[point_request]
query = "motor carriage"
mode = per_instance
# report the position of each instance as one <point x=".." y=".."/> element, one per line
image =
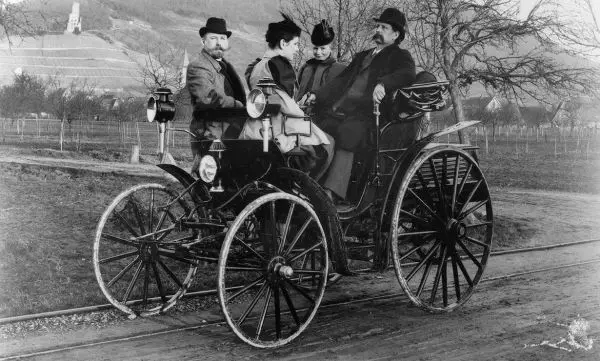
<point x="272" y="235"/>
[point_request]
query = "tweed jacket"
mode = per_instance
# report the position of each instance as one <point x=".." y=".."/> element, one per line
<point x="393" y="67"/>
<point x="205" y="83"/>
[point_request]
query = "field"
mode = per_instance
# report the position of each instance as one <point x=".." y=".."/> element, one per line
<point x="48" y="217"/>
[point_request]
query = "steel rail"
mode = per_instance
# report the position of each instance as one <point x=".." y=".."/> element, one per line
<point x="211" y="292"/>
<point x="380" y="297"/>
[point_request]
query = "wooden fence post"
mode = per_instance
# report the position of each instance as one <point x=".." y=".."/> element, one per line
<point x="486" y="141"/>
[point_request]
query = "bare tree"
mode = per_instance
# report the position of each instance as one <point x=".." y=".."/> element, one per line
<point x="161" y="67"/>
<point x="17" y="20"/>
<point x="352" y="21"/>
<point x="486" y="42"/>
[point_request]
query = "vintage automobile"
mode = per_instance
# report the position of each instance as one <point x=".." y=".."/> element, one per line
<point x="270" y="235"/>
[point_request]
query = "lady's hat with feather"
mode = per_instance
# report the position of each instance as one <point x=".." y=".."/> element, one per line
<point x="322" y="34"/>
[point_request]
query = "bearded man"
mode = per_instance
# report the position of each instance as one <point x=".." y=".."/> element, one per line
<point x="345" y="104"/>
<point x="213" y="83"/>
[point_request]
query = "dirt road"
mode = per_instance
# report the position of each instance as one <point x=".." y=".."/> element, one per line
<point x="506" y="319"/>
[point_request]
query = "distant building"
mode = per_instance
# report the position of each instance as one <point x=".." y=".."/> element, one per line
<point x="74" y="25"/>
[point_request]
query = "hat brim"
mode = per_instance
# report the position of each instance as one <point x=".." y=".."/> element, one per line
<point x="396" y="25"/>
<point x="204" y="30"/>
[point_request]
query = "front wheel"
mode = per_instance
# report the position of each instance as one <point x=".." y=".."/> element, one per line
<point x="441" y="229"/>
<point x="272" y="270"/>
<point x="136" y="259"/>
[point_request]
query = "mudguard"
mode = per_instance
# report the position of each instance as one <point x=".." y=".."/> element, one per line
<point x="185" y="179"/>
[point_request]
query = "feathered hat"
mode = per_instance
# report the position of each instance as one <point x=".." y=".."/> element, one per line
<point x="322" y="34"/>
<point x="287" y="25"/>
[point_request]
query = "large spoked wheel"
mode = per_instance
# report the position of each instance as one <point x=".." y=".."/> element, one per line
<point x="137" y="257"/>
<point x="272" y="270"/>
<point x="441" y="229"/>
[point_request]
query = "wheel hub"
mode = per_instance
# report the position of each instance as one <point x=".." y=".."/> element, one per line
<point x="279" y="269"/>
<point x="455" y="229"/>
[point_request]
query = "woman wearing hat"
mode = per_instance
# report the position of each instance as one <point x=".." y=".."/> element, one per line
<point x="282" y="44"/>
<point x="318" y="70"/>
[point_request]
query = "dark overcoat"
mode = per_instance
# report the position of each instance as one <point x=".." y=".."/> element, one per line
<point x="392" y="67"/>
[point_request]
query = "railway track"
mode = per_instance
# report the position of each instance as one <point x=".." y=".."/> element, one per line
<point x="330" y="305"/>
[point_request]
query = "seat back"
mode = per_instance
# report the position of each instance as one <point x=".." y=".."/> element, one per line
<point x="426" y="94"/>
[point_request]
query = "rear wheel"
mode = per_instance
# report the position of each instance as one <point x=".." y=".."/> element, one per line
<point x="272" y="270"/>
<point x="441" y="229"/>
<point x="136" y="258"/>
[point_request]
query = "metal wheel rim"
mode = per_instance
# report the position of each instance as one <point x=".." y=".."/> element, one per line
<point x="229" y="238"/>
<point x="403" y="275"/>
<point x="125" y="307"/>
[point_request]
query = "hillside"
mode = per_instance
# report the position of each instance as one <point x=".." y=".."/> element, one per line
<point x="138" y="27"/>
<point x="83" y="58"/>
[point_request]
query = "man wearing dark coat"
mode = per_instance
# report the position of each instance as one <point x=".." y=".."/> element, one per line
<point x="345" y="104"/>
<point x="213" y="83"/>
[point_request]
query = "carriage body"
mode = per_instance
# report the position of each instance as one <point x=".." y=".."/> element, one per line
<point x="273" y="236"/>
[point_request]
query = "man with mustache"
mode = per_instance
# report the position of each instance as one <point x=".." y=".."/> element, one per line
<point x="213" y="83"/>
<point x="371" y="78"/>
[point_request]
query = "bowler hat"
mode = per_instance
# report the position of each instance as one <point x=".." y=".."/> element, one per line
<point x="322" y="34"/>
<point x="215" y="25"/>
<point x="395" y="18"/>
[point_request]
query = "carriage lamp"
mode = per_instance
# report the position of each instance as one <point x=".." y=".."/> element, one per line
<point x="161" y="106"/>
<point x="208" y="168"/>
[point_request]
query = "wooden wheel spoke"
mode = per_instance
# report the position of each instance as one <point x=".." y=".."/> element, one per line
<point x="146" y="283"/>
<point x="481" y="224"/>
<point x="425" y="188"/>
<point x="133" y="281"/>
<point x="161" y="220"/>
<point x="286" y="227"/>
<point x="420" y="220"/>
<point x="308" y="272"/>
<point x="422" y="263"/>
<point x="438" y="273"/>
<point x="170" y="273"/>
<point x="275" y="238"/>
<point x="245" y="289"/>
<point x="424" y="204"/>
<point x="465" y="178"/>
<point x="253" y="303"/>
<point x="464" y="271"/>
<point x="479" y="243"/>
<point x="263" y="314"/>
<point x="252" y="250"/>
<point x="120" y="240"/>
<point x="151" y="218"/>
<point x="298" y="235"/>
<point x="470" y="196"/>
<point x="118" y="257"/>
<point x="423" y="280"/>
<point x="472" y="209"/>
<point x="244" y="269"/>
<point x="455" y="184"/>
<point x="445" y="278"/>
<point x="277" y="312"/>
<point x="310" y="249"/>
<point x="138" y="216"/>
<point x="420" y="233"/>
<point x="469" y="254"/>
<point x="438" y="186"/>
<point x="171" y="254"/>
<point x="126" y="223"/>
<point x="455" y="274"/>
<point x="122" y="272"/>
<point x="290" y="304"/>
<point x="159" y="284"/>
<point x="301" y="290"/>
